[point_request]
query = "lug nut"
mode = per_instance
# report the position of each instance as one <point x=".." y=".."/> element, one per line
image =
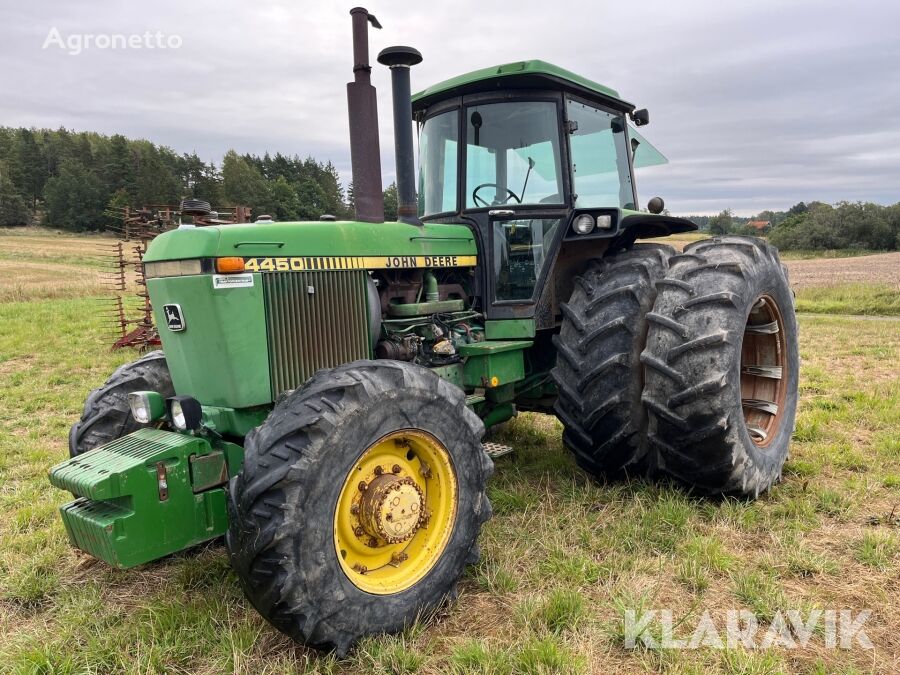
<point x="358" y="531"/>
<point x="373" y="542"/>
<point x="362" y="486"/>
<point x="396" y="468"/>
<point x="354" y="509"/>
<point x="378" y="471"/>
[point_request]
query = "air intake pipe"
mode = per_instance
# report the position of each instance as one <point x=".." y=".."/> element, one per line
<point x="399" y="60"/>
<point x="365" y="151"/>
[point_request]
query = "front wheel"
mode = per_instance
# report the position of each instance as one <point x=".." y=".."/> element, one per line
<point x="359" y="503"/>
<point x="107" y="414"/>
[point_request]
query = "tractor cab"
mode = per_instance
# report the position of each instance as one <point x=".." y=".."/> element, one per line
<point x="537" y="160"/>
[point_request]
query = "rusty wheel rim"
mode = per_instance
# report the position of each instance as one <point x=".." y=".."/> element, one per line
<point x="763" y="371"/>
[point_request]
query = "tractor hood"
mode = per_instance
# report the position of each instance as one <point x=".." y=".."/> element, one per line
<point x="316" y="238"/>
<point x="301" y="303"/>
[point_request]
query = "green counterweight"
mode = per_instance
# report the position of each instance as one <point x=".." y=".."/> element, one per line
<point x="146" y="495"/>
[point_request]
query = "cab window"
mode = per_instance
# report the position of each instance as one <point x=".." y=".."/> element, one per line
<point x="520" y="249"/>
<point x="512" y="154"/>
<point x="438" y="151"/>
<point x="601" y="176"/>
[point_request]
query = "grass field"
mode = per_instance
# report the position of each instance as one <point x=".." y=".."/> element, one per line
<point x="563" y="557"/>
<point x="870" y="299"/>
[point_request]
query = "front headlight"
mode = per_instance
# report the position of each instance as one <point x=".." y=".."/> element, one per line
<point x="185" y="413"/>
<point x="584" y="223"/>
<point x="604" y="222"/>
<point x="177" y="415"/>
<point x="146" y="406"/>
<point x="172" y="268"/>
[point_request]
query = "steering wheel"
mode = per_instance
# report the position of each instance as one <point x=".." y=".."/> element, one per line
<point x="510" y="195"/>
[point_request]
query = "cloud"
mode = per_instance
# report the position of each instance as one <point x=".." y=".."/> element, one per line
<point x="757" y="104"/>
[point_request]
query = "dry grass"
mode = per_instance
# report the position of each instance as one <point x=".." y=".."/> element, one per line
<point x="562" y="558"/>
<point x="679" y="241"/>
<point x="24" y="281"/>
<point x="41" y="264"/>
<point x="39" y="244"/>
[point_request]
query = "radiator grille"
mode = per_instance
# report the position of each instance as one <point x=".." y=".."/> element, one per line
<point x="314" y="320"/>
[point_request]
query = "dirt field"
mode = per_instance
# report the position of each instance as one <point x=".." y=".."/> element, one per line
<point x="883" y="268"/>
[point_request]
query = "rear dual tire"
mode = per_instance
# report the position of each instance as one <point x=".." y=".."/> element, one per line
<point x="721" y="367"/>
<point x="682" y="365"/>
<point x="598" y="366"/>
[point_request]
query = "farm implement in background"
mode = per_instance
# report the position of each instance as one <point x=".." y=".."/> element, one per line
<point x="127" y="313"/>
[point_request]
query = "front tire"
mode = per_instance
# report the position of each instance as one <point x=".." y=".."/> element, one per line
<point x="721" y="367"/>
<point x="320" y="531"/>
<point x="107" y="415"/>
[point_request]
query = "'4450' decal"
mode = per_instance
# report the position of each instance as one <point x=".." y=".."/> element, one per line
<point x="302" y="264"/>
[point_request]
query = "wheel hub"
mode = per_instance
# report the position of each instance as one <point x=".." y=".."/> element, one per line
<point x="396" y="512"/>
<point x="391" y="508"/>
<point x="763" y="371"/>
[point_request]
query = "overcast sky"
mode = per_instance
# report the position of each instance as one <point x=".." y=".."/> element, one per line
<point x="757" y="104"/>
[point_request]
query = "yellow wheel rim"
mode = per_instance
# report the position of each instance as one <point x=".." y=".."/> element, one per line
<point x="395" y="512"/>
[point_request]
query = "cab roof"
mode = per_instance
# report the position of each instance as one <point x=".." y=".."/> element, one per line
<point x="533" y="74"/>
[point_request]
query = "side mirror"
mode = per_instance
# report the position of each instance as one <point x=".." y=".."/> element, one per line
<point x="656" y="205"/>
<point x="640" y="117"/>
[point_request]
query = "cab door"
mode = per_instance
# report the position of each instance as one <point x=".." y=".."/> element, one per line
<point x="513" y="184"/>
<point x="521" y="247"/>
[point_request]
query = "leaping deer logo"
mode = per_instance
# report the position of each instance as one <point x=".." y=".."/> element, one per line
<point x="173" y="317"/>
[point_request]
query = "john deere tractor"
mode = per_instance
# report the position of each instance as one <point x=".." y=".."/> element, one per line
<point x="324" y="387"/>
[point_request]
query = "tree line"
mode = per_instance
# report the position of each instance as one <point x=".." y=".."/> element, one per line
<point x="817" y="226"/>
<point x="74" y="180"/>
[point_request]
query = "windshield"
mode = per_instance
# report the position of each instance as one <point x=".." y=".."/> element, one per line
<point x="437" y="163"/>
<point x="512" y="154"/>
<point x="600" y="171"/>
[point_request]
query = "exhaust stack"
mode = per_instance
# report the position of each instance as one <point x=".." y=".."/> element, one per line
<point x="400" y="60"/>
<point x="365" y="151"/>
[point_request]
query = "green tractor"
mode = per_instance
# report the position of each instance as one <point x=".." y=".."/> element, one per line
<point x="324" y="387"/>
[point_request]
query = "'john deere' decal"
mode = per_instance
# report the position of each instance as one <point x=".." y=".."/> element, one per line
<point x="298" y="264"/>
